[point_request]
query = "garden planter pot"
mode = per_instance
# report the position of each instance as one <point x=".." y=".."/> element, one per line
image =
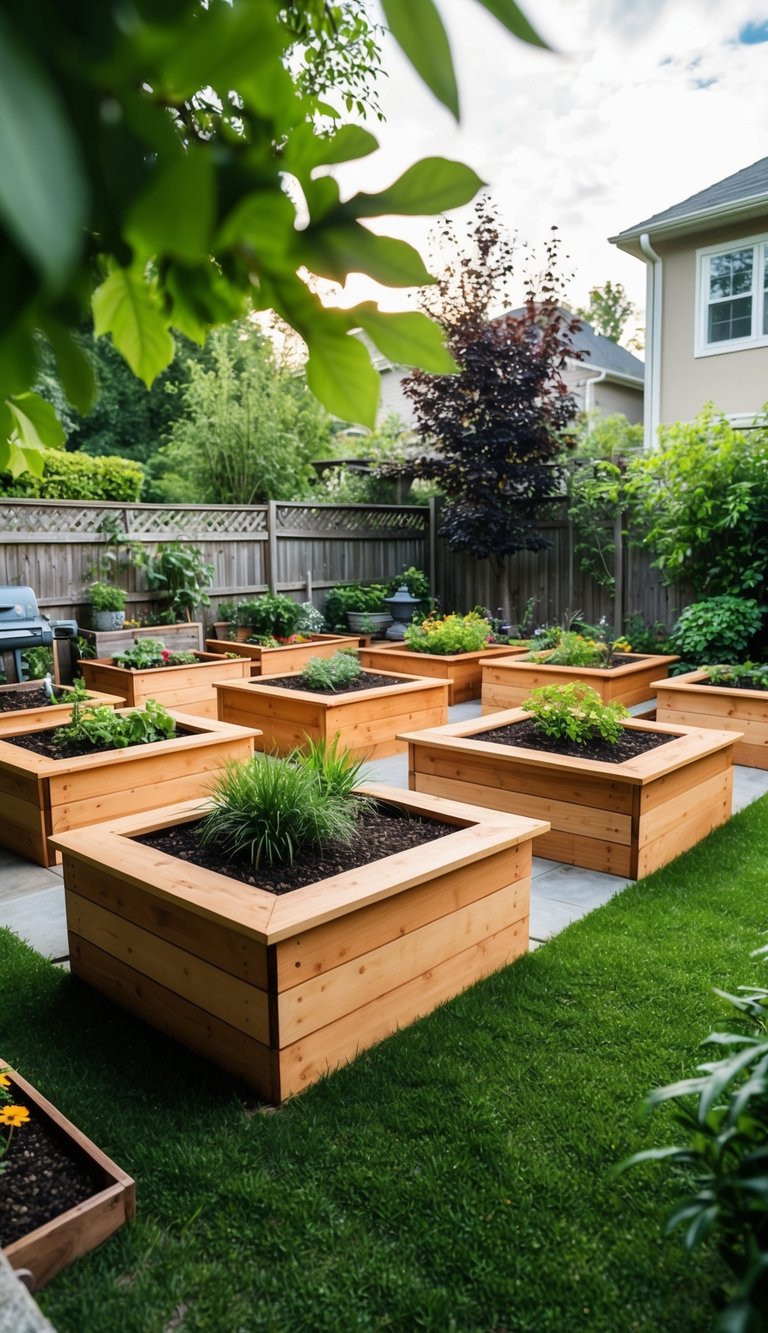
<point x="366" y="721"/>
<point x="104" y="621"/>
<point x="49" y="1248"/>
<point x="185" y="637"/>
<point x="368" y="622"/>
<point x="626" y="819"/>
<point x="41" y="796"/>
<point x="188" y="688"/>
<point x="281" y="990"/>
<point x="463" y="671"/>
<point x="288" y="657"/>
<point x="46" y="715"/>
<point x="686" y="699"/>
<point x="507" y="682"/>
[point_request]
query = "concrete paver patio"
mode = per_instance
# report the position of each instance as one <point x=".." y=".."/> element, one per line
<point x="32" y="898"/>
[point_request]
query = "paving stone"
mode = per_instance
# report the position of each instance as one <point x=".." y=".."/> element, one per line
<point x="40" y="919"/>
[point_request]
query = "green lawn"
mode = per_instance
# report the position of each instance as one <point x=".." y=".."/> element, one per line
<point x="456" y="1177"/>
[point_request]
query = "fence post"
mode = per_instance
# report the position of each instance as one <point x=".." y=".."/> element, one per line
<point x="432" y="544"/>
<point x="271" y="569"/>
<point x="618" y="573"/>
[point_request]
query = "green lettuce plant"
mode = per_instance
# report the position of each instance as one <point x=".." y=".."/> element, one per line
<point x="102" y="728"/>
<point x="148" y="653"/>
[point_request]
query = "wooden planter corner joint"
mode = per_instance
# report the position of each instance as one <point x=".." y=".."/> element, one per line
<point x="508" y="681"/>
<point x="189" y="688"/>
<point x="49" y="1248"/>
<point x="41" y="796"/>
<point x="287" y="657"/>
<point x="367" y="722"/>
<point x="688" y="700"/>
<point x="463" y="671"/>
<point x="47" y="715"/>
<point x="279" y="990"/>
<point x="625" y="819"/>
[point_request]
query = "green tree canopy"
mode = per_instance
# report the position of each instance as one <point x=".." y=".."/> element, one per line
<point x="609" y="310"/>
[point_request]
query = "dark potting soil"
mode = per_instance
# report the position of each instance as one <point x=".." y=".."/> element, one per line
<point x="740" y="683"/>
<point x="41" y="742"/>
<point x="381" y="831"/>
<point x="42" y="1178"/>
<point x="631" y="744"/>
<point x="13" y="700"/>
<point x="368" y="681"/>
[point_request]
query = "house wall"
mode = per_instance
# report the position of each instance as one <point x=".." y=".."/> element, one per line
<point x="608" y="397"/>
<point x="392" y="397"/>
<point x="736" y="382"/>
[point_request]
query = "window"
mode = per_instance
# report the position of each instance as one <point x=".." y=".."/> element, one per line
<point x="733" y="297"/>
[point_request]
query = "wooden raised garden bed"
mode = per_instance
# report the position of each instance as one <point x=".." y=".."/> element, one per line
<point x="625" y="819"/>
<point x="41" y="796"/>
<point x="463" y="671"/>
<point x="366" y="721"/>
<point x="686" y="699"/>
<point x="279" y="990"/>
<point x="508" y="681"/>
<point x="185" y="637"/>
<point x="188" y="688"/>
<point x="287" y="657"/>
<point x="46" y="715"/>
<point x="49" y="1248"/>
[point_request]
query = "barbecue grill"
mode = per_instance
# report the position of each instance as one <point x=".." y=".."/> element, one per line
<point x="22" y="626"/>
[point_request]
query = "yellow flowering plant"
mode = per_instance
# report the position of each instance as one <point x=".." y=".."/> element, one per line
<point x="450" y="634"/>
<point x="11" y="1116"/>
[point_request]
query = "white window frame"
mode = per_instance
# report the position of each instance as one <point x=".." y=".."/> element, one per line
<point x="756" y="339"/>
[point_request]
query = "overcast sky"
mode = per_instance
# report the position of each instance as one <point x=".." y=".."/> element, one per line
<point x="645" y="103"/>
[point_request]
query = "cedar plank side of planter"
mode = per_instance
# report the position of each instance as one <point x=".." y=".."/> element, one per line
<point x="280" y="990"/>
<point x="288" y="657"/>
<point x="463" y="671"/>
<point x="186" y="636"/>
<point x="686" y="699"/>
<point x="366" y="721"/>
<point x="49" y="1248"/>
<point x="47" y="715"/>
<point x="41" y="796"/>
<point x="507" y="682"/>
<point x="187" y="688"/>
<point x="624" y="819"/>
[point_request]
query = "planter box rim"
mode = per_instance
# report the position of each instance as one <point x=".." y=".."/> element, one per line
<point x="638" y="771"/>
<point x="203" y="729"/>
<point x="469" y="655"/>
<point x="269" y="918"/>
<point x="601" y="673"/>
<point x="694" y="680"/>
<point x="203" y="658"/>
<point x="258" y="683"/>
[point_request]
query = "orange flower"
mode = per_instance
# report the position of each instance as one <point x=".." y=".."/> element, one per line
<point x="14" y="1116"/>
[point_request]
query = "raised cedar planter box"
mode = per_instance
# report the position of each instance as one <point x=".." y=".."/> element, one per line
<point x="186" y="637"/>
<point x="188" y="688"/>
<point x="288" y="657"/>
<point x="463" y="671"/>
<point x="366" y="721"/>
<point x="279" y="990"/>
<point x="46" y="715"/>
<point x="625" y="819"/>
<point x="686" y="699"/>
<point x="41" y="796"/>
<point x="508" y="681"/>
<point x="49" y="1248"/>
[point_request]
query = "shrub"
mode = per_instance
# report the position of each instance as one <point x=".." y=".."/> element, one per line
<point x="78" y="477"/>
<point x="450" y="634"/>
<point x="331" y="673"/>
<point x="717" y="630"/>
<point x="270" y="615"/>
<point x="575" y="713"/>
<point x="415" y="581"/>
<point x="102" y="728"/>
<point x="105" y="597"/>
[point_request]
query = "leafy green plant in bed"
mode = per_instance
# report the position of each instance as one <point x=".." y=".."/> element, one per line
<point x="337" y="771"/>
<point x="449" y="634"/>
<point x="749" y="675"/>
<point x="719" y="629"/>
<point x="578" y="650"/>
<point x="331" y="673"/>
<point x="575" y="713"/>
<point x="103" y="728"/>
<point x="272" y="615"/>
<point x="148" y="653"/>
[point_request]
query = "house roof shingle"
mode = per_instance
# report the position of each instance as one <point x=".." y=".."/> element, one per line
<point x="600" y="353"/>
<point x="751" y="183"/>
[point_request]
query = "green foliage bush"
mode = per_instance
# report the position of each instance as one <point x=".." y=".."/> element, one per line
<point x="331" y="673"/>
<point x="78" y="477"/>
<point x="575" y="713"/>
<point x="719" y="629"/>
<point x="450" y="634"/>
<point x="180" y="571"/>
<point x="270" y="615"/>
<point x="106" y="597"/>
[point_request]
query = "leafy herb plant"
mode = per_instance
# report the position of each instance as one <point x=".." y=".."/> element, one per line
<point x="104" y="597"/>
<point x="575" y="713"/>
<point x="101" y="728"/>
<point x="450" y="634"/>
<point x="331" y="673"/>
<point x="148" y="653"/>
<point x="272" y="615"/>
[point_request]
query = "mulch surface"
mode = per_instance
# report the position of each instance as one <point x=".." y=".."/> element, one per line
<point x="42" y="1178"/>
<point x="740" y="683"/>
<point x="17" y="699"/>
<point x="42" y="742"/>
<point x="381" y="831"/>
<point x="524" y="733"/>
<point x="368" y="681"/>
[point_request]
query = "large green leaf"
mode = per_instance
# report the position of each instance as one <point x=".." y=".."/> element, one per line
<point x="407" y="338"/>
<point x="508" y="13"/>
<point x="417" y="28"/>
<point x="334" y="252"/>
<point x="263" y="221"/>
<point x="174" y="214"/>
<point x="430" y="186"/>
<point x="74" y="366"/>
<point x="36" y="422"/>
<point x="124" y="306"/>
<point x="43" y="196"/>
<point x="340" y="374"/>
<point x="305" y="149"/>
<point x="18" y="361"/>
<point x="201" y="298"/>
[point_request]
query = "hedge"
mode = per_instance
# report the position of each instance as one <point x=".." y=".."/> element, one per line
<point x="78" y="477"/>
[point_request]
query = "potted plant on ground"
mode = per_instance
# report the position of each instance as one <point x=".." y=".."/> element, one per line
<point x="448" y="648"/>
<point x="622" y="796"/>
<point x="300" y="921"/>
<point x="360" y="607"/>
<point x="335" y="697"/>
<point x="105" y="763"/>
<point x="107" y="606"/>
<point x="269" y="634"/>
<point x="150" y="670"/>
<point x="733" y="697"/>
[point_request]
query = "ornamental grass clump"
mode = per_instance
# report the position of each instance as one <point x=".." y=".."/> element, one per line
<point x="450" y="634"/>
<point x="149" y="653"/>
<point x="101" y="728"/>
<point x="269" y="809"/>
<point x="576" y="714"/>
<point x="331" y="673"/>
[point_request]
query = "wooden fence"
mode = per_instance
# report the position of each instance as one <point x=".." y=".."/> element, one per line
<point x="303" y="549"/>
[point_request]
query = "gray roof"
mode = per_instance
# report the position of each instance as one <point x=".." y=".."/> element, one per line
<point x="600" y="353"/>
<point x="751" y="183"/>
